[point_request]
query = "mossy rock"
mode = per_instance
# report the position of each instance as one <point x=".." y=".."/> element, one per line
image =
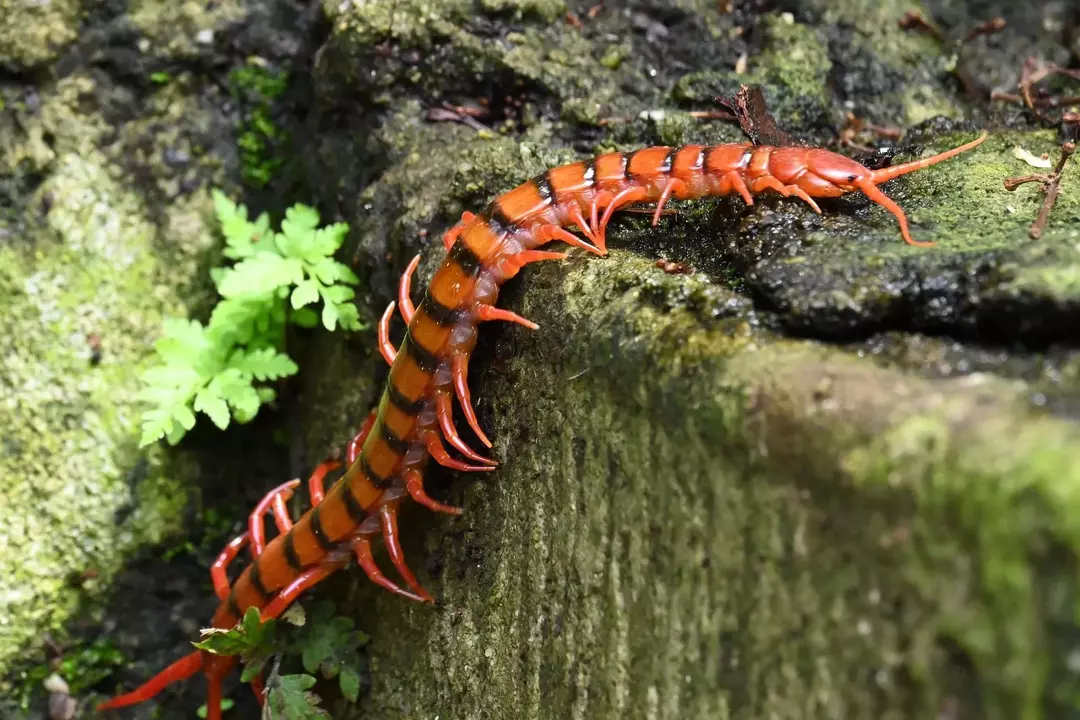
<point x="806" y="480"/>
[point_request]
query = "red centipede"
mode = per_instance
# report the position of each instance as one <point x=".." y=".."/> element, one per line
<point x="386" y="460"/>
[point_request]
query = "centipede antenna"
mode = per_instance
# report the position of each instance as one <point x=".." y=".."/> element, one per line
<point x="885" y="174"/>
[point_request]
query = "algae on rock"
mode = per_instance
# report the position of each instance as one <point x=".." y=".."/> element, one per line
<point x="85" y="279"/>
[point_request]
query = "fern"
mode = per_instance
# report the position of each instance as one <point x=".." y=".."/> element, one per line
<point x="328" y="645"/>
<point x="214" y="369"/>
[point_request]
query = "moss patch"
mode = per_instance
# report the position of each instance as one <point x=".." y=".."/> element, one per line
<point x="34" y="33"/>
<point x="81" y="291"/>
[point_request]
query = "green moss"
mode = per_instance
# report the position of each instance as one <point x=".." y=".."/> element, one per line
<point x="92" y="277"/>
<point x="260" y="140"/>
<point x="183" y="28"/>
<point x="549" y="10"/>
<point x="795" y="58"/>
<point x="34" y="33"/>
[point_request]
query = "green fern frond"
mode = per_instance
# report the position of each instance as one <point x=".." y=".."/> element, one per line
<point x="280" y="278"/>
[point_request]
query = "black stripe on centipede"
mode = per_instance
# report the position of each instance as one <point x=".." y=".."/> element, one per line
<point x="396" y="444"/>
<point x="442" y="315"/>
<point x="290" y="553"/>
<point x="424" y="358"/>
<point x="234" y="607"/>
<point x="353" y="507"/>
<point x="465" y="258"/>
<point x="404" y="404"/>
<point x="590" y="173"/>
<point x="497" y="220"/>
<point x="373" y="477"/>
<point x="665" y="165"/>
<point x="257" y="582"/>
<point x="317" y="530"/>
<point x="544" y="187"/>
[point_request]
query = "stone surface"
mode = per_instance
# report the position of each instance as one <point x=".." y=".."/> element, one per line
<point x="827" y="475"/>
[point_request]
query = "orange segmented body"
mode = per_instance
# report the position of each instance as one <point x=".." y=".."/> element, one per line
<point x="387" y="458"/>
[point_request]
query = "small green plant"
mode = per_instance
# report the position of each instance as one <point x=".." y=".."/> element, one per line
<point x="213" y="369"/>
<point x="255" y="87"/>
<point x="81" y="667"/>
<point x="328" y="645"/>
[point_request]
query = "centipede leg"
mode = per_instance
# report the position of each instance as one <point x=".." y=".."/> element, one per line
<point x="627" y="196"/>
<point x="452" y="234"/>
<point x="871" y="191"/>
<point x="487" y="313"/>
<point x="736" y="181"/>
<point x="579" y="220"/>
<point x="182" y="669"/>
<point x="547" y="233"/>
<point x="459" y="369"/>
<point x="674" y="186"/>
<point x="213" y="697"/>
<point x="275" y="500"/>
<point x="414" y="484"/>
<point x="361" y="546"/>
<point x="217" y="570"/>
<point x="438" y="453"/>
<point x="256" y="528"/>
<point x="316" y="489"/>
<point x="388" y="519"/>
<point x="511" y="265"/>
<point x="771" y="183"/>
<point x="405" y="291"/>
<point x="259" y="689"/>
<point x="443" y="411"/>
<point x="355" y="445"/>
<point x="600" y="199"/>
<point x="387" y="349"/>
<point x="304" y="581"/>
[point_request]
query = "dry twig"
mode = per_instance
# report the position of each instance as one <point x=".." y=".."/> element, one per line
<point x="1051" y="185"/>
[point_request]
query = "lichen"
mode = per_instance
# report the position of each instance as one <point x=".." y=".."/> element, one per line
<point x="81" y="293"/>
<point x="34" y="33"/>
<point x="183" y="28"/>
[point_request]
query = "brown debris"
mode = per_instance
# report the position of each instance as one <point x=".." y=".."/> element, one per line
<point x="854" y="126"/>
<point x="913" y="20"/>
<point x="458" y="113"/>
<point x="1051" y="186"/>
<point x="755" y="120"/>
<point x="989" y="27"/>
<point x="674" y="268"/>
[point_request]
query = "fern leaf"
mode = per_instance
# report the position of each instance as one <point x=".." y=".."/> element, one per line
<point x="263" y="364"/>
<point x="209" y="402"/>
<point x="338" y="294"/>
<point x="305" y="317"/>
<point x="260" y="274"/>
<point x="305" y="293"/>
<point x="245" y="403"/>
<point x="330" y="316"/>
<point x="182" y="343"/>
<point x="349" y="317"/>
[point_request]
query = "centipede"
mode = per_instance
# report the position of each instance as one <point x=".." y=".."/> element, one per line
<point x="385" y="463"/>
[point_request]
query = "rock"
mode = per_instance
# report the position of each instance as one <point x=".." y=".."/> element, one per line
<point x="813" y="479"/>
